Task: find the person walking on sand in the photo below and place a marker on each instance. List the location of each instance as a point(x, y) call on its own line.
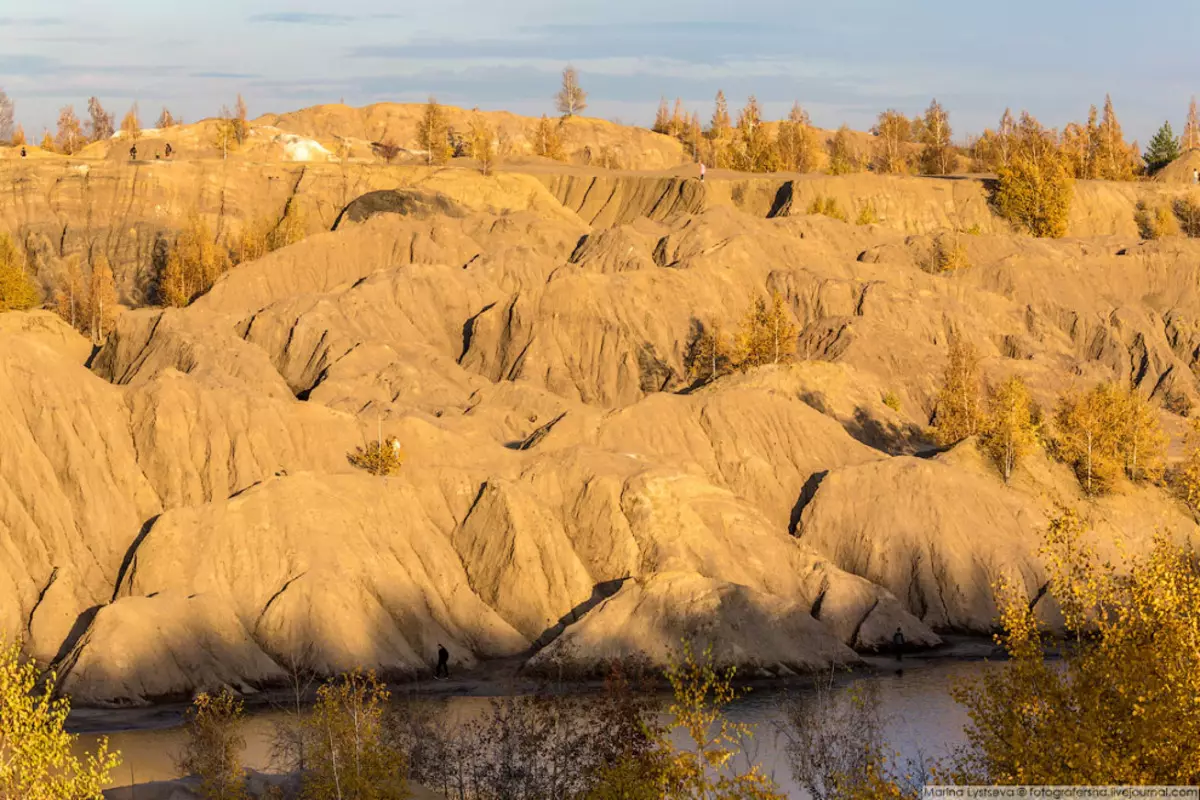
point(702, 172)
point(443, 665)
point(133, 153)
point(898, 643)
point(1196, 176)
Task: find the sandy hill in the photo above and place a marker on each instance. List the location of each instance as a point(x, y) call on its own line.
point(177, 509)
point(1181, 170)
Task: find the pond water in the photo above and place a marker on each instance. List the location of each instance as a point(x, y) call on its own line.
point(920, 719)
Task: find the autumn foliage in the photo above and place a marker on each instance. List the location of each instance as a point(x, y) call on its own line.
point(1107, 432)
point(38, 758)
point(194, 263)
point(17, 290)
point(1122, 707)
point(213, 750)
point(379, 457)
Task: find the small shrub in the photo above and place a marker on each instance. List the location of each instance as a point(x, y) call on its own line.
point(891, 400)
point(379, 458)
point(387, 150)
point(1178, 403)
point(974, 230)
point(608, 158)
point(867, 215)
point(1155, 221)
point(1187, 212)
point(947, 254)
point(827, 206)
point(266, 235)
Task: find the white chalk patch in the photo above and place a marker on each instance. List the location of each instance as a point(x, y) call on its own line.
point(297, 148)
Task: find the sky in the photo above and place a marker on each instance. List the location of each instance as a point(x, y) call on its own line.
point(843, 60)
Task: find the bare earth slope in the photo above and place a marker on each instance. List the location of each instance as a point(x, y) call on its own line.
point(180, 512)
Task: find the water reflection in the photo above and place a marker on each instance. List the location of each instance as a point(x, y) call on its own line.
point(920, 719)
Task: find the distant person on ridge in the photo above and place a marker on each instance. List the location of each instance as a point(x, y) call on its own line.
point(22, 152)
point(169, 150)
point(702, 172)
point(898, 643)
point(133, 153)
point(443, 665)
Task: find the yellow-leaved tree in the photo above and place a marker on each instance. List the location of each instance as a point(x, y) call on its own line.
point(68, 294)
point(1106, 431)
point(711, 354)
point(193, 264)
point(1143, 442)
point(959, 402)
point(226, 132)
point(1122, 707)
point(17, 291)
point(348, 757)
point(844, 157)
point(1187, 478)
point(937, 154)
point(720, 133)
point(70, 131)
point(753, 149)
point(547, 139)
point(266, 234)
point(705, 766)
point(893, 131)
point(131, 124)
point(433, 134)
point(1010, 429)
point(37, 759)
point(1034, 190)
point(482, 144)
point(767, 335)
point(101, 299)
point(797, 145)
point(213, 751)
point(1087, 435)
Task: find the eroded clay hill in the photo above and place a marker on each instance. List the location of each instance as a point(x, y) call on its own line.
point(177, 510)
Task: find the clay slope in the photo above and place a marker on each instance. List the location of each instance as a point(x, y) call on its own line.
point(183, 514)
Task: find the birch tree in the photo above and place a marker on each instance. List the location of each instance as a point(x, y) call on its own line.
point(571, 98)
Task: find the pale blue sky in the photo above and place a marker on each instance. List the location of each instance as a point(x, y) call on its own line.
point(844, 60)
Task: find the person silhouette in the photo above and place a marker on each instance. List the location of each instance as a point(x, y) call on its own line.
point(169, 150)
point(443, 665)
point(133, 153)
point(898, 643)
point(22, 152)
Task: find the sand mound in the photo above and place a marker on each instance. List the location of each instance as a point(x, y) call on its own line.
point(1181, 170)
